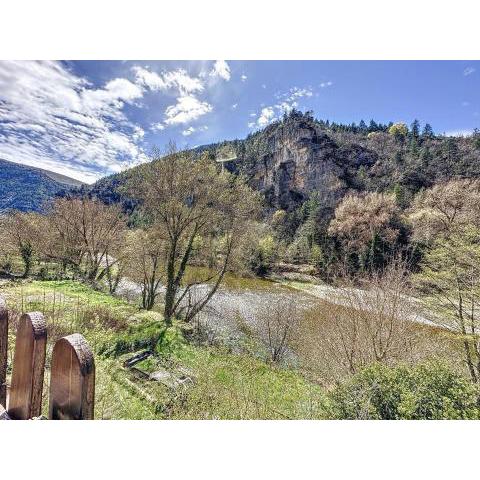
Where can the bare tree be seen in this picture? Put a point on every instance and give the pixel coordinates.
(83, 234)
(20, 234)
(145, 261)
(362, 325)
(199, 213)
(363, 219)
(445, 208)
(450, 280)
(278, 324)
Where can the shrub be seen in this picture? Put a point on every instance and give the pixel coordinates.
(428, 391)
(264, 255)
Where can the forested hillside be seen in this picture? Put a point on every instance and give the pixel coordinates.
(304, 168)
(28, 188)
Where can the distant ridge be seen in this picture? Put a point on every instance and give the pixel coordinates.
(28, 188)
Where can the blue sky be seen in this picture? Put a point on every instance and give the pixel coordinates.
(87, 119)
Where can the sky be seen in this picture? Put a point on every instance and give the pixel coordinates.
(88, 119)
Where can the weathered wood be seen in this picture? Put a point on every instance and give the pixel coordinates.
(3, 351)
(72, 380)
(25, 399)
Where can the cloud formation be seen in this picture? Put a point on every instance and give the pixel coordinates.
(53, 119)
(187, 109)
(176, 79)
(286, 102)
(191, 130)
(221, 69)
(468, 71)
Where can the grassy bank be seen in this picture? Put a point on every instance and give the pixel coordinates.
(220, 384)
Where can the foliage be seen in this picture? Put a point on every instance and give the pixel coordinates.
(450, 278)
(198, 215)
(428, 391)
(398, 130)
(368, 226)
(445, 209)
(28, 189)
(225, 385)
(263, 255)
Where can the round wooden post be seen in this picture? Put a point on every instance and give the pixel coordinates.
(72, 380)
(25, 399)
(3, 352)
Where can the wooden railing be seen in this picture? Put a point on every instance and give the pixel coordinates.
(72, 373)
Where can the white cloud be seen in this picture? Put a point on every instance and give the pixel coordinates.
(138, 132)
(53, 119)
(468, 71)
(157, 127)
(287, 101)
(188, 131)
(221, 69)
(243, 78)
(295, 93)
(286, 106)
(326, 84)
(267, 115)
(264, 86)
(459, 133)
(234, 106)
(186, 109)
(191, 130)
(175, 79)
(465, 104)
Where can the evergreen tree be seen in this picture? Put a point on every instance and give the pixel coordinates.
(428, 131)
(415, 128)
(373, 126)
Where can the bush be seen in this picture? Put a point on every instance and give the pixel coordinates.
(264, 255)
(428, 391)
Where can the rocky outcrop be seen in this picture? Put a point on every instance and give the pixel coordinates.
(300, 159)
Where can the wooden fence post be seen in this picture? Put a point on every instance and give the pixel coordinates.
(72, 380)
(3, 352)
(25, 399)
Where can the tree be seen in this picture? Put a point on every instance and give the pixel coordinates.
(450, 279)
(427, 131)
(368, 322)
(445, 209)
(278, 324)
(200, 215)
(21, 234)
(365, 224)
(415, 128)
(145, 260)
(399, 131)
(83, 234)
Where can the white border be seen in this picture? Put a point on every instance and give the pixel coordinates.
(246, 29)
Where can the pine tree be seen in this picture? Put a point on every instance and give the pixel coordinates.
(415, 128)
(373, 126)
(427, 131)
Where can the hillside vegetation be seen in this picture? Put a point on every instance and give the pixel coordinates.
(156, 266)
(28, 189)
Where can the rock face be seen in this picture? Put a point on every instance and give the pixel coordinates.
(300, 160)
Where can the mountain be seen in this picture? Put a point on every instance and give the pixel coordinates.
(294, 158)
(298, 156)
(28, 188)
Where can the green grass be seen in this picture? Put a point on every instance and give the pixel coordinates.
(225, 386)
